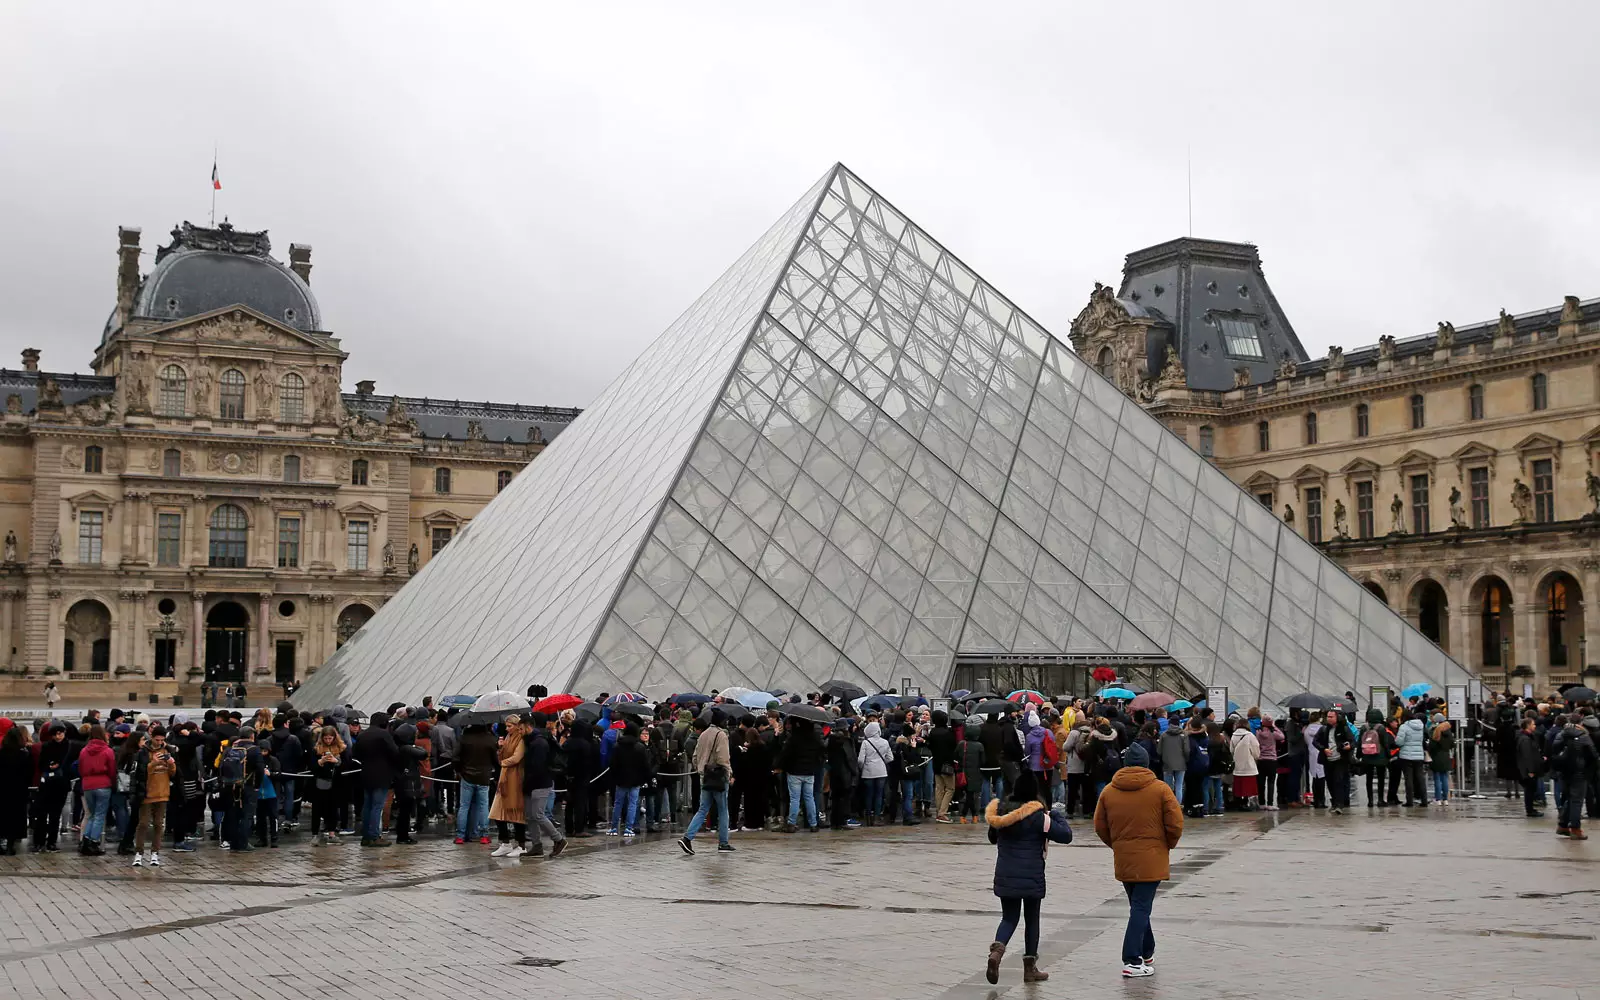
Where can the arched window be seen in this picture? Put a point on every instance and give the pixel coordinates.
(1208, 440)
(172, 397)
(230, 532)
(1556, 618)
(1363, 420)
(291, 468)
(441, 480)
(172, 463)
(1475, 402)
(358, 472)
(230, 394)
(1311, 428)
(1263, 436)
(93, 458)
(1495, 616)
(502, 479)
(292, 399)
(1541, 391)
(1105, 364)
(1418, 412)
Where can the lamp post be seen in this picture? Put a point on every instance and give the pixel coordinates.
(167, 626)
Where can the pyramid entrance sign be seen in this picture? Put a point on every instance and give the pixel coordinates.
(853, 458)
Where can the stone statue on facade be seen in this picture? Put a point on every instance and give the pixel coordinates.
(202, 388)
(11, 547)
(397, 411)
(1505, 326)
(264, 390)
(1458, 513)
(1386, 347)
(1241, 376)
(49, 393)
(411, 560)
(1397, 514)
(1288, 515)
(1522, 500)
(1446, 337)
(1341, 524)
(388, 555)
(1335, 358)
(55, 547)
(14, 404)
(1591, 483)
(1173, 375)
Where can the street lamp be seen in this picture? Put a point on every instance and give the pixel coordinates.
(167, 625)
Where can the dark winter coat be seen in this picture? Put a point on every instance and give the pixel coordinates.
(1575, 755)
(536, 747)
(630, 762)
(477, 754)
(942, 744)
(379, 756)
(803, 752)
(408, 783)
(583, 755)
(993, 734)
(1530, 759)
(1020, 836)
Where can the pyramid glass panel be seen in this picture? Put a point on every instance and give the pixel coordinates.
(853, 458)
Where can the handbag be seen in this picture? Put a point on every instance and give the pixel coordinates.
(714, 778)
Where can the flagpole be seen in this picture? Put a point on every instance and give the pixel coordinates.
(213, 185)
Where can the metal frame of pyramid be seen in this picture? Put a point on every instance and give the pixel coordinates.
(853, 458)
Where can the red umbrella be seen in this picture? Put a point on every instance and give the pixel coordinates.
(1025, 695)
(558, 703)
(1151, 699)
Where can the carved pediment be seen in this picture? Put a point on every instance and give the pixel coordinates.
(441, 518)
(235, 326)
(91, 499)
(1261, 482)
(1475, 449)
(1102, 312)
(1415, 459)
(1538, 442)
(359, 510)
(1359, 467)
(1310, 474)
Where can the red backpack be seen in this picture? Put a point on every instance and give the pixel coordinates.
(1049, 753)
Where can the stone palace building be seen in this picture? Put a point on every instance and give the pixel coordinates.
(1452, 473)
(209, 505)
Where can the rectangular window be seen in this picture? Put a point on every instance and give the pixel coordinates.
(92, 458)
(1263, 436)
(1314, 514)
(357, 538)
(1240, 337)
(1364, 509)
(1541, 392)
(1311, 428)
(230, 394)
(441, 538)
(441, 480)
(1363, 421)
(1208, 441)
(502, 479)
(1265, 499)
(91, 534)
(1544, 495)
(172, 463)
(1419, 412)
(288, 542)
(1475, 402)
(1478, 487)
(169, 539)
(291, 468)
(1419, 505)
(358, 472)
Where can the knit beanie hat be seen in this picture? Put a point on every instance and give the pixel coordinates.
(1135, 756)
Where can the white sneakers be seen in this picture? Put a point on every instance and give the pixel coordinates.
(502, 850)
(154, 859)
(138, 860)
(1137, 971)
(515, 852)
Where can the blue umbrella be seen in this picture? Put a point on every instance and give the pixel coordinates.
(689, 698)
(1180, 705)
(880, 703)
(1114, 692)
(1233, 706)
(959, 694)
(756, 699)
(1415, 690)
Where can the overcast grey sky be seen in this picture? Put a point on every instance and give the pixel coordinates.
(508, 201)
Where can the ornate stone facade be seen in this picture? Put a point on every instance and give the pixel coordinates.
(1454, 473)
(209, 505)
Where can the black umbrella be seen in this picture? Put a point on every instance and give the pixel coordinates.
(489, 718)
(588, 711)
(815, 713)
(1306, 699)
(635, 708)
(979, 695)
(1579, 693)
(995, 706)
(843, 690)
(1342, 705)
(911, 701)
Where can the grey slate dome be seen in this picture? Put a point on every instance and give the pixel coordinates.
(206, 269)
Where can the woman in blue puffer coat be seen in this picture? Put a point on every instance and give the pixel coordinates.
(1020, 835)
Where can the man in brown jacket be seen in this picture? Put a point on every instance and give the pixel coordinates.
(1138, 817)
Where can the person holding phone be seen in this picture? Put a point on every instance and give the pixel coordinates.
(153, 784)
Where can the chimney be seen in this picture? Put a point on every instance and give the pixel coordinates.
(30, 359)
(127, 271)
(365, 387)
(300, 260)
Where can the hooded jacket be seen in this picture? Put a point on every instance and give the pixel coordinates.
(1034, 741)
(942, 744)
(1411, 740)
(1174, 750)
(97, 766)
(630, 762)
(1138, 817)
(1246, 751)
(375, 750)
(477, 753)
(1020, 836)
(875, 754)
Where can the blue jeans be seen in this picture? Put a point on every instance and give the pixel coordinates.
(908, 794)
(1214, 800)
(1175, 782)
(472, 814)
(1441, 786)
(991, 787)
(95, 803)
(1138, 941)
(372, 800)
(119, 815)
(624, 804)
(875, 795)
(801, 787)
(1572, 811)
(707, 798)
(288, 806)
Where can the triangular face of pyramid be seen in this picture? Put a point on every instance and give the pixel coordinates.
(854, 459)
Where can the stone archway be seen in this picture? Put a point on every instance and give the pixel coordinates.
(1562, 597)
(1496, 620)
(350, 621)
(1376, 589)
(227, 642)
(1430, 609)
(87, 644)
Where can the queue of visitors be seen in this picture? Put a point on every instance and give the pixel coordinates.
(525, 778)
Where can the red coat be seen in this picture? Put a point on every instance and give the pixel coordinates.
(97, 766)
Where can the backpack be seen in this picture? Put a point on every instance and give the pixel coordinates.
(1371, 742)
(1113, 758)
(556, 764)
(1199, 756)
(1049, 753)
(231, 771)
(1561, 754)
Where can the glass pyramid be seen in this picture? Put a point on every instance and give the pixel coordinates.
(852, 458)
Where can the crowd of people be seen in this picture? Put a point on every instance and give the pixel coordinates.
(522, 779)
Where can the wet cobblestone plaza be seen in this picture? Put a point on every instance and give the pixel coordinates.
(1473, 900)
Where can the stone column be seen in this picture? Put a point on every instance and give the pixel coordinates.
(1591, 593)
(263, 634)
(8, 601)
(1523, 625)
(1456, 595)
(136, 639)
(197, 633)
(54, 649)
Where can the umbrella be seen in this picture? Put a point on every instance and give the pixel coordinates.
(1415, 690)
(1342, 705)
(285, 707)
(880, 703)
(557, 703)
(980, 695)
(1115, 692)
(815, 713)
(588, 711)
(843, 690)
(732, 693)
(1579, 693)
(910, 701)
(637, 709)
(623, 696)
(450, 701)
(495, 706)
(756, 699)
(960, 694)
(1306, 699)
(1152, 699)
(1233, 706)
(995, 706)
(1025, 695)
(1180, 705)
(689, 698)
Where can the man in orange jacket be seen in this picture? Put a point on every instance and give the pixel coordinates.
(1139, 818)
